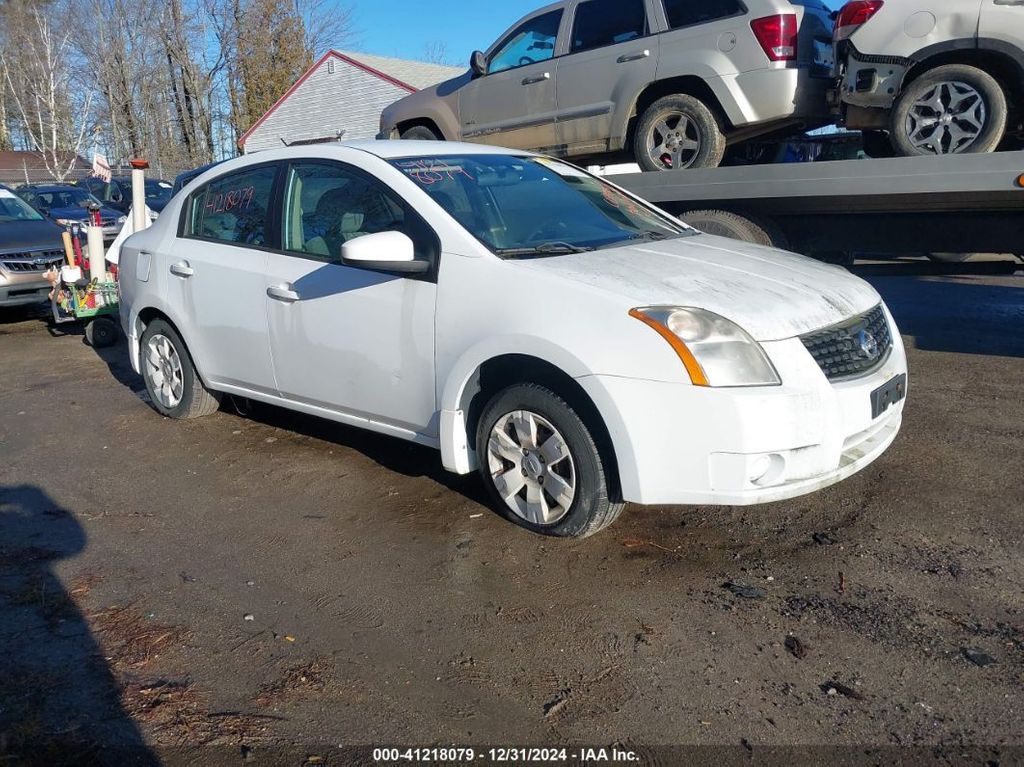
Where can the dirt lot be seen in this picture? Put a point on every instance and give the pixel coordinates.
(273, 580)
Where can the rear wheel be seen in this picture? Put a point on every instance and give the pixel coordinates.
(101, 333)
(953, 109)
(420, 133)
(724, 223)
(542, 466)
(678, 132)
(173, 385)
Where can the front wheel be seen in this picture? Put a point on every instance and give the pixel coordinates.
(953, 109)
(542, 465)
(420, 133)
(678, 132)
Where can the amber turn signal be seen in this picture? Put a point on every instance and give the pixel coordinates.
(685, 355)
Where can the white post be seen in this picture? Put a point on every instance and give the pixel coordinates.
(139, 218)
(97, 265)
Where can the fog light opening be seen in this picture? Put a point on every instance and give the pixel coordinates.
(767, 469)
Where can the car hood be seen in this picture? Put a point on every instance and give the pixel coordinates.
(22, 236)
(771, 294)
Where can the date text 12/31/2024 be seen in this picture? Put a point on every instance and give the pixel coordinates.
(503, 755)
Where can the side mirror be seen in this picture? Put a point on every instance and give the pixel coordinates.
(478, 64)
(383, 252)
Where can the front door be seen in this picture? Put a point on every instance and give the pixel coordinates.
(353, 342)
(1003, 21)
(514, 104)
(217, 275)
(612, 58)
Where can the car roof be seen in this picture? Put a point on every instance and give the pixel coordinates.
(390, 150)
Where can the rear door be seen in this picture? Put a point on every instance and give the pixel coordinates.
(513, 105)
(216, 279)
(612, 56)
(1003, 21)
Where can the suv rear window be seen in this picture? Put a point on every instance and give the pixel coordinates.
(687, 13)
(607, 22)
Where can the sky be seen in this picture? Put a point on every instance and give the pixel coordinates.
(404, 28)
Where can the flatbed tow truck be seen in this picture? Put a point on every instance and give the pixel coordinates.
(943, 207)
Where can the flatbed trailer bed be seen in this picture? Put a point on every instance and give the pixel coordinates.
(954, 204)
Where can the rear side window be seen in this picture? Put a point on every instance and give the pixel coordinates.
(233, 208)
(607, 22)
(687, 13)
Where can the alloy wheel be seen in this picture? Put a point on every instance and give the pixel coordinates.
(947, 119)
(532, 468)
(163, 368)
(674, 141)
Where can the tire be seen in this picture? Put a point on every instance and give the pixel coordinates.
(195, 399)
(726, 224)
(983, 113)
(591, 508)
(703, 141)
(101, 333)
(420, 133)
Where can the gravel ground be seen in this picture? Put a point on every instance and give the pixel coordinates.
(268, 579)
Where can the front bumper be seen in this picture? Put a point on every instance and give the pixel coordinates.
(23, 294)
(680, 444)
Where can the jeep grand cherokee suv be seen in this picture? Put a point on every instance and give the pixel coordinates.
(29, 245)
(672, 80)
(940, 77)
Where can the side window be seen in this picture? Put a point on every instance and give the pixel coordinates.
(607, 22)
(327, 205)
(233, 208)
(533, 41)
(686, 13)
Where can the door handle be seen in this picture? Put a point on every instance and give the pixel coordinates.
(280, 293)
(182, 269)
(538, 79)
(626, 57)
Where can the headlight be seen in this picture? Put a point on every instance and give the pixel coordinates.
(715, 351)
(121, 221)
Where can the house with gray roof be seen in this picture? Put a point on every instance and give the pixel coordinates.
(341, 96)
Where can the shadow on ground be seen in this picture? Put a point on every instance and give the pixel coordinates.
(59, 700)
(962, 315)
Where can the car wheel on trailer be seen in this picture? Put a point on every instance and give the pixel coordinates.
(174, 387)
(101, 333)
(724, 223)
(678, 132)
(419, 133)
(542, 466)
(953, 109)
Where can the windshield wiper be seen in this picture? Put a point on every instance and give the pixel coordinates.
(545, 249)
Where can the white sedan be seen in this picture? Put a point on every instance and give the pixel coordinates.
(580, 347)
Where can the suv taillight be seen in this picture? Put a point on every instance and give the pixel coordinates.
(777, 35)
(853, 15)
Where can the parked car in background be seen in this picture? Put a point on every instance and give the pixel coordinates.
(117, 193)
(579, 346)
(943, 77)
(670, 81)
(183, 178)
(67, 204)
(29, 245)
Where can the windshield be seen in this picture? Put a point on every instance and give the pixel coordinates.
(158, 191)
(531, 206)
(65, 198)
(13, 208)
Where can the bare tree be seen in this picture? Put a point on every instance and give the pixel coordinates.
(35, 66)
(436, 52)
(5, 131)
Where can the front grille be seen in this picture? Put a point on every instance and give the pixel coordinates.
(38, 261)
(853, 348)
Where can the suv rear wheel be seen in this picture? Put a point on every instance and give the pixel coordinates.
(953, 109)
(677, 132)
